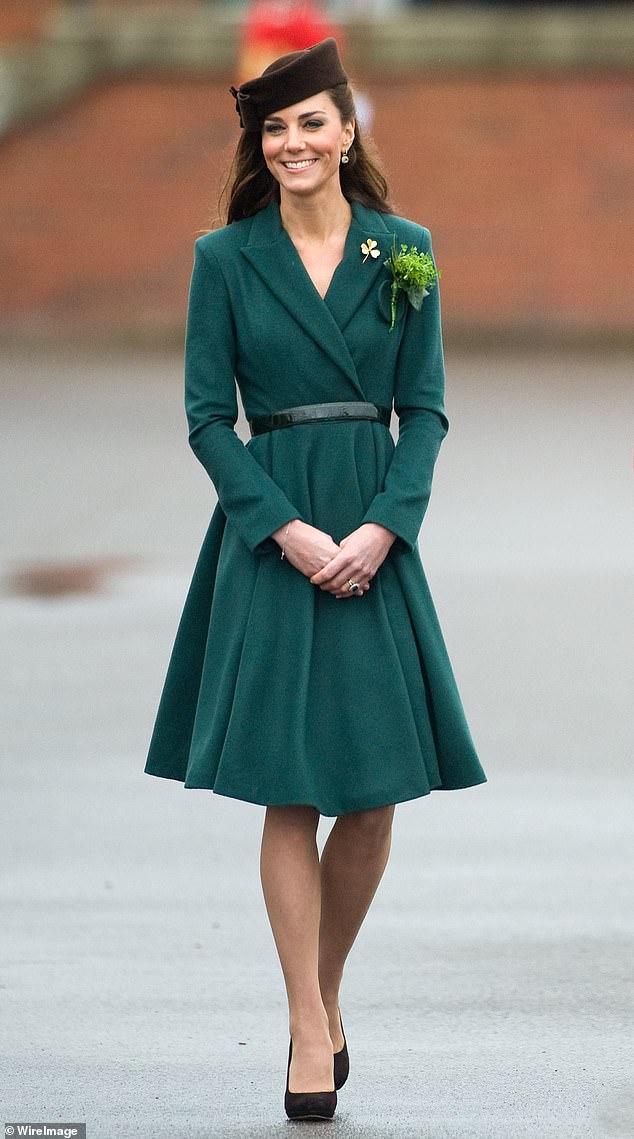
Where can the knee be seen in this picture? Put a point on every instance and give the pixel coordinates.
(369, 828)
(294, 817)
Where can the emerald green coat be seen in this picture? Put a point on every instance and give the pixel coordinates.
(277, 692)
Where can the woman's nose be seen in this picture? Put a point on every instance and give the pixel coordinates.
(294, 140)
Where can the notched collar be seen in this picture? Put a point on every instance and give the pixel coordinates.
(274, 257)
(357, 274)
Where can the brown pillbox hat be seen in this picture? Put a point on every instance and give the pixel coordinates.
(288, 80)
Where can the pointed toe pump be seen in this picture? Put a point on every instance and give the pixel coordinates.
(341, 1060)
(308, 1105)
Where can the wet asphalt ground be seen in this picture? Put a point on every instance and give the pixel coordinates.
(489, 993)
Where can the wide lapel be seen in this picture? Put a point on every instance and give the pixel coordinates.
(357, 273)
(274, 257)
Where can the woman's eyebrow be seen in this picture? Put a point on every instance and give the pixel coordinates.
(306, 115)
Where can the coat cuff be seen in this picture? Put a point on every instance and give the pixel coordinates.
(265, 544)
(381, 512)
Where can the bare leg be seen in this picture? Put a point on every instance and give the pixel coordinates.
(352, 864)
(291, 883)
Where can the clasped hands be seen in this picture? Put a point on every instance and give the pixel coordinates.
(331, 566)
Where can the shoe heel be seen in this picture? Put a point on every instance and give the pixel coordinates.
(307, 1105)
(341, 1060)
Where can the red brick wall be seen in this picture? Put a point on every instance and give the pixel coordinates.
(20, 20)
(524, 181)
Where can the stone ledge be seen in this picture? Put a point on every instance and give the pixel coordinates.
(170, 38)
(35, 78)
(445, 36)
(468, 37)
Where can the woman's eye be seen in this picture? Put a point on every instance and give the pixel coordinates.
(272, 128)
(314, 123)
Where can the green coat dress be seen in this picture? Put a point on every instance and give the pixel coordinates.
(277, 692)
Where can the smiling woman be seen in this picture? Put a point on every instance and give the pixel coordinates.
(303, 147)
(276, 692)
(329, 111)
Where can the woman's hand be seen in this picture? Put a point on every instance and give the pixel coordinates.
(357, 558)
(305, 547)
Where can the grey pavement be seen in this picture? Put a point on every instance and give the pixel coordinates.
(489, 994)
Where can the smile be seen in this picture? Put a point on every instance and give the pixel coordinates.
(303, 165)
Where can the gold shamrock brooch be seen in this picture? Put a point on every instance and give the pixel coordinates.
(370, 249)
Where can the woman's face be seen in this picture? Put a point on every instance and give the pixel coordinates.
(302, 144)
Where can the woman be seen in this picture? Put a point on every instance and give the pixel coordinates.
(277, 693)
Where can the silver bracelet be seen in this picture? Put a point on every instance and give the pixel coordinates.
(285, 537)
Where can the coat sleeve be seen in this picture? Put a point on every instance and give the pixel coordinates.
(419, 390)
(249, 497)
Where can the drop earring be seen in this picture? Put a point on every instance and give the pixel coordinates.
(344, 157)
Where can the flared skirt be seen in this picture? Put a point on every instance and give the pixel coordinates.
(279, 693)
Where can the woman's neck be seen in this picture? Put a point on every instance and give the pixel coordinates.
(315, 219)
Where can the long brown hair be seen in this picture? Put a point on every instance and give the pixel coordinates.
(250, 186)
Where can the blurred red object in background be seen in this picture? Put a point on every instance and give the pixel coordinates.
(274, 27)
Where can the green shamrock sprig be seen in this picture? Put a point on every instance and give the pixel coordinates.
(413, 273)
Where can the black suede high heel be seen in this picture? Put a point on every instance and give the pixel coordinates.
(308, 1105)
(341, 1060)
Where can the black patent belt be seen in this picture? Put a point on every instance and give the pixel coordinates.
(313, 412)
